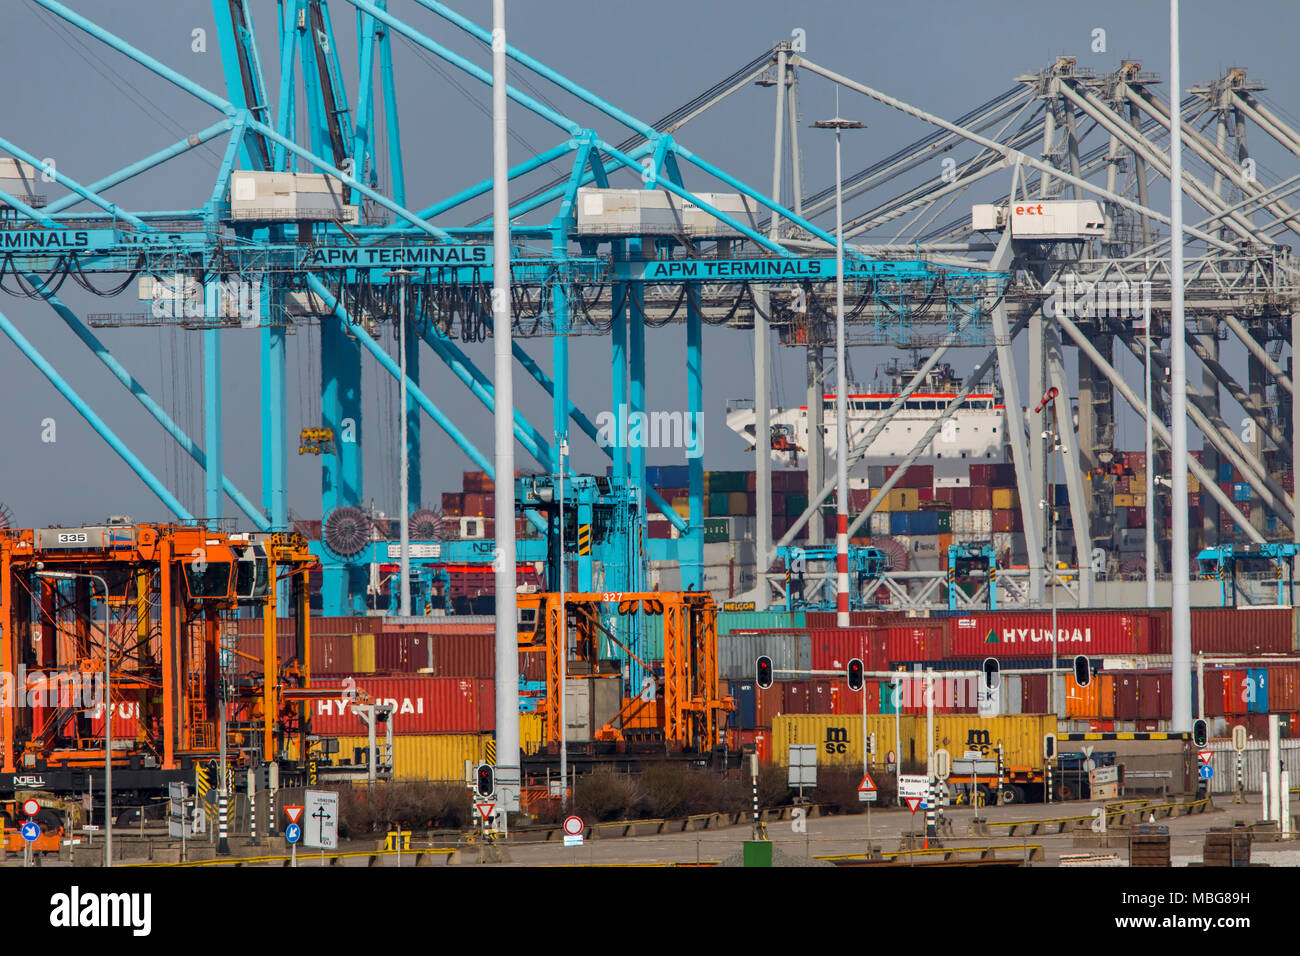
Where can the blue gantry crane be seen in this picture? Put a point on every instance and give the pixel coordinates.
(1271, 563)
(298, 228)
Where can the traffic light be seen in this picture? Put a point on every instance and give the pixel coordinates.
(855, 674)
(992, 673)
(1082, 671)
(1049, 746)
(484, 780)
(764, 674)
(871, 745)
(1200, 732)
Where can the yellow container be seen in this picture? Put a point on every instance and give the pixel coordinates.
(531, 729)
(1139, 478)
(838, 737)
(1021, 737)
(903, 499)
(436, 757)
(1005, 498)
(1193, 483)
(1123, 501)
(363, 653)
(682, 506)
(1139, 501)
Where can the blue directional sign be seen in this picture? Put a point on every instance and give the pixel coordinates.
(31, 831)
(1206, 771)
(293, 833)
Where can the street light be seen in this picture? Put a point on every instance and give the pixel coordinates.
(838, 123)
(563, 449)
(404, 516)
(108, 709)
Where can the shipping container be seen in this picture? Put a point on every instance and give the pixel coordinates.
(729, 621)
(1127, 693)
(1021, 737)
(1034, 694)
(918, 640)
(761, 741)
(745, 694)
(739, 651)
(1029, 633)
(462, 655)
(405, 652)
(798, 696)
(832, 649)
(363, 653)
(435, 757)
(421, 705)
(838, 738)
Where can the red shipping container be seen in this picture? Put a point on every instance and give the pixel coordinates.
(532, 666)
(463, 655)
(827, 619)
(961, 499)
(405, 652)
(1135, 518)
(769, 704)
(1033, 694)
(1126, 695)
(1235, 684)
(126, 721)
(832, 649)
(1029, 634)
(820, 699)
(798, 696)
(914, 642)
(981, 475)
(859, 498)
(452, 502)
(1154, 702)
(1284, 688)
(421, 705)
(331, 653)
(761, 741)
(925, 494)
(945, 494)
(1236, 631)
(981, 496)
(1214, 693)
(1008, 519)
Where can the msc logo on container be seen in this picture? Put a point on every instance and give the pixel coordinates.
(837, 740)
(978, 740)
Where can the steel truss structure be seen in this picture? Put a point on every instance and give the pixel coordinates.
(931, 283)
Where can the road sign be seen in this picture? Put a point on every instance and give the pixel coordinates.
(31, 807)
(913, 803)
(31, 831)
(1239, 738)
(573, 826)
(1206, 771)
(912, 785)
(803, 765)
(573, 840)
(179, 820)
(320, 829)
(889, 757)
(292, 833)
(1205, 755)
(293, 813)
(485, 809)
(942, 764)
(867, 785)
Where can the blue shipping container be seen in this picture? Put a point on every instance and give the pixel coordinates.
(924, 522)
(1257, 698)
(900, 523)
(1225, 471)
(1240, 491)
(745, 716)
(674, 476)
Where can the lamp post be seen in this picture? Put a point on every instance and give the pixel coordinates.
(404, 519)
(838, 123)
(108, 709)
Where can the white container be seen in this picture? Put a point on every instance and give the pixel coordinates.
(289, 197)
(879, 524)
(22, 181)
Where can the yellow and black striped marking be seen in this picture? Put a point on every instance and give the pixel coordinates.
(584, 539)
(490, 753)
(1122, 735)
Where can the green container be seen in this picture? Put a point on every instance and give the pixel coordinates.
(795, 504)
(719, 503)
(652, 642)
(945, 522)
(727, 481)
(729, 621)
(716, 530)
(887, 697)
(757, 853)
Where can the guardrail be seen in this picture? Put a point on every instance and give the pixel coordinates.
(1024, 853)
(1115, 815)
(310, 858)
(638, 828)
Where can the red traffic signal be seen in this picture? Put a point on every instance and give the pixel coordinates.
(855, 674)
(485, 782)
(764, 672)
